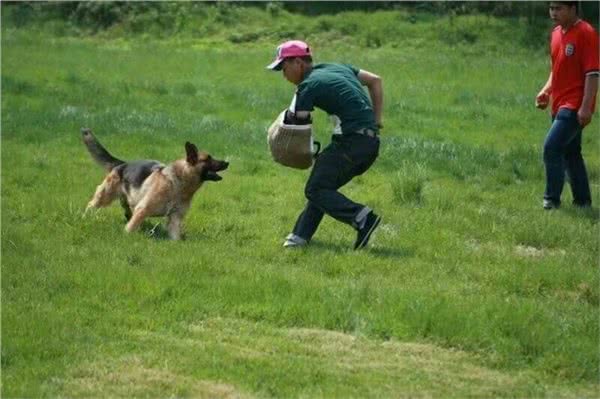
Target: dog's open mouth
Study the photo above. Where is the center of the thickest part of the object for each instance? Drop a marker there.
(212, 175)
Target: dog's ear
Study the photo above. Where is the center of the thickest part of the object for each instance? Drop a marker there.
(192, 153)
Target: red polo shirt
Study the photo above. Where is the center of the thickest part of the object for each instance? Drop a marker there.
(574, 55)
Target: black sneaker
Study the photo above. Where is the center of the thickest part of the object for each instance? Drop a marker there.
(365, 233)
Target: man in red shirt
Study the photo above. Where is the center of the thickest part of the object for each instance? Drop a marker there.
(572, 87)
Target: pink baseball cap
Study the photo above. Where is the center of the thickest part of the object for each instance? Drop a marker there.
(291, 48)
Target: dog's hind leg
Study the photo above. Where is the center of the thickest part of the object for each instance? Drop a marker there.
(126, 208)
(106, 192)
(174, 226)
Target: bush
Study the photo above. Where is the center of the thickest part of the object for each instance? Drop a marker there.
(99, 15)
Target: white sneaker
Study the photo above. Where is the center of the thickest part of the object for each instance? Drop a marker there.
(292, 241)
(549, 204)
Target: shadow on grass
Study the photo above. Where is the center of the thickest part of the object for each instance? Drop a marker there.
(392, 252)
(592, 214)
(376, 251)
(154, 230)
(158, 231)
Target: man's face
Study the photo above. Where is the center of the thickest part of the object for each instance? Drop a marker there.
(562, 14)
(293, 70)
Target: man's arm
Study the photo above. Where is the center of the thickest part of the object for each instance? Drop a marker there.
(584, 115)
(375, 86)
(543, 98)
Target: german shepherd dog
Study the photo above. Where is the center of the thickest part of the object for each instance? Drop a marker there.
(148, 188)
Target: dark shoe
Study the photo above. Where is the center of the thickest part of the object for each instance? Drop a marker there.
(582, 205)
(549, 204)
(365, 233)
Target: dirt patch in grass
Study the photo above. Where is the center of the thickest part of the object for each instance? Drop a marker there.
(317, 363)
(131, 377)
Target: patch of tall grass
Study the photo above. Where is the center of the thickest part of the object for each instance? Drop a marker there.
(408, 184)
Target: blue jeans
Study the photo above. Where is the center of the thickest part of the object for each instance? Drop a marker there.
(347, 156)
(562, 152)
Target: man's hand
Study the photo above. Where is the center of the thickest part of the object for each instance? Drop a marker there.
(584, 116)
(298, 118)
(542, 100)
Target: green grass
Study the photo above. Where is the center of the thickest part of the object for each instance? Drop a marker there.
(468, 289)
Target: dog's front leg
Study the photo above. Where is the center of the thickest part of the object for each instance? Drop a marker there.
(174, 222)
(136, 220)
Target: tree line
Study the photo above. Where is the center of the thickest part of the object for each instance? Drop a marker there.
(103, 14)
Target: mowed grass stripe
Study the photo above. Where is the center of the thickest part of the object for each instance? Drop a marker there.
(323, 364)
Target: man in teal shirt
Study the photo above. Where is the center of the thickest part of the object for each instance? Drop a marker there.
(338, 90)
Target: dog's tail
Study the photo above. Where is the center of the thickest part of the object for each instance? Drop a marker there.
(98, 152)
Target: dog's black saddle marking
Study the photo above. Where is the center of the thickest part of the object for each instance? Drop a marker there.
(136, 172)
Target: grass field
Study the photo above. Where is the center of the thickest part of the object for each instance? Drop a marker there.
(469, 288)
